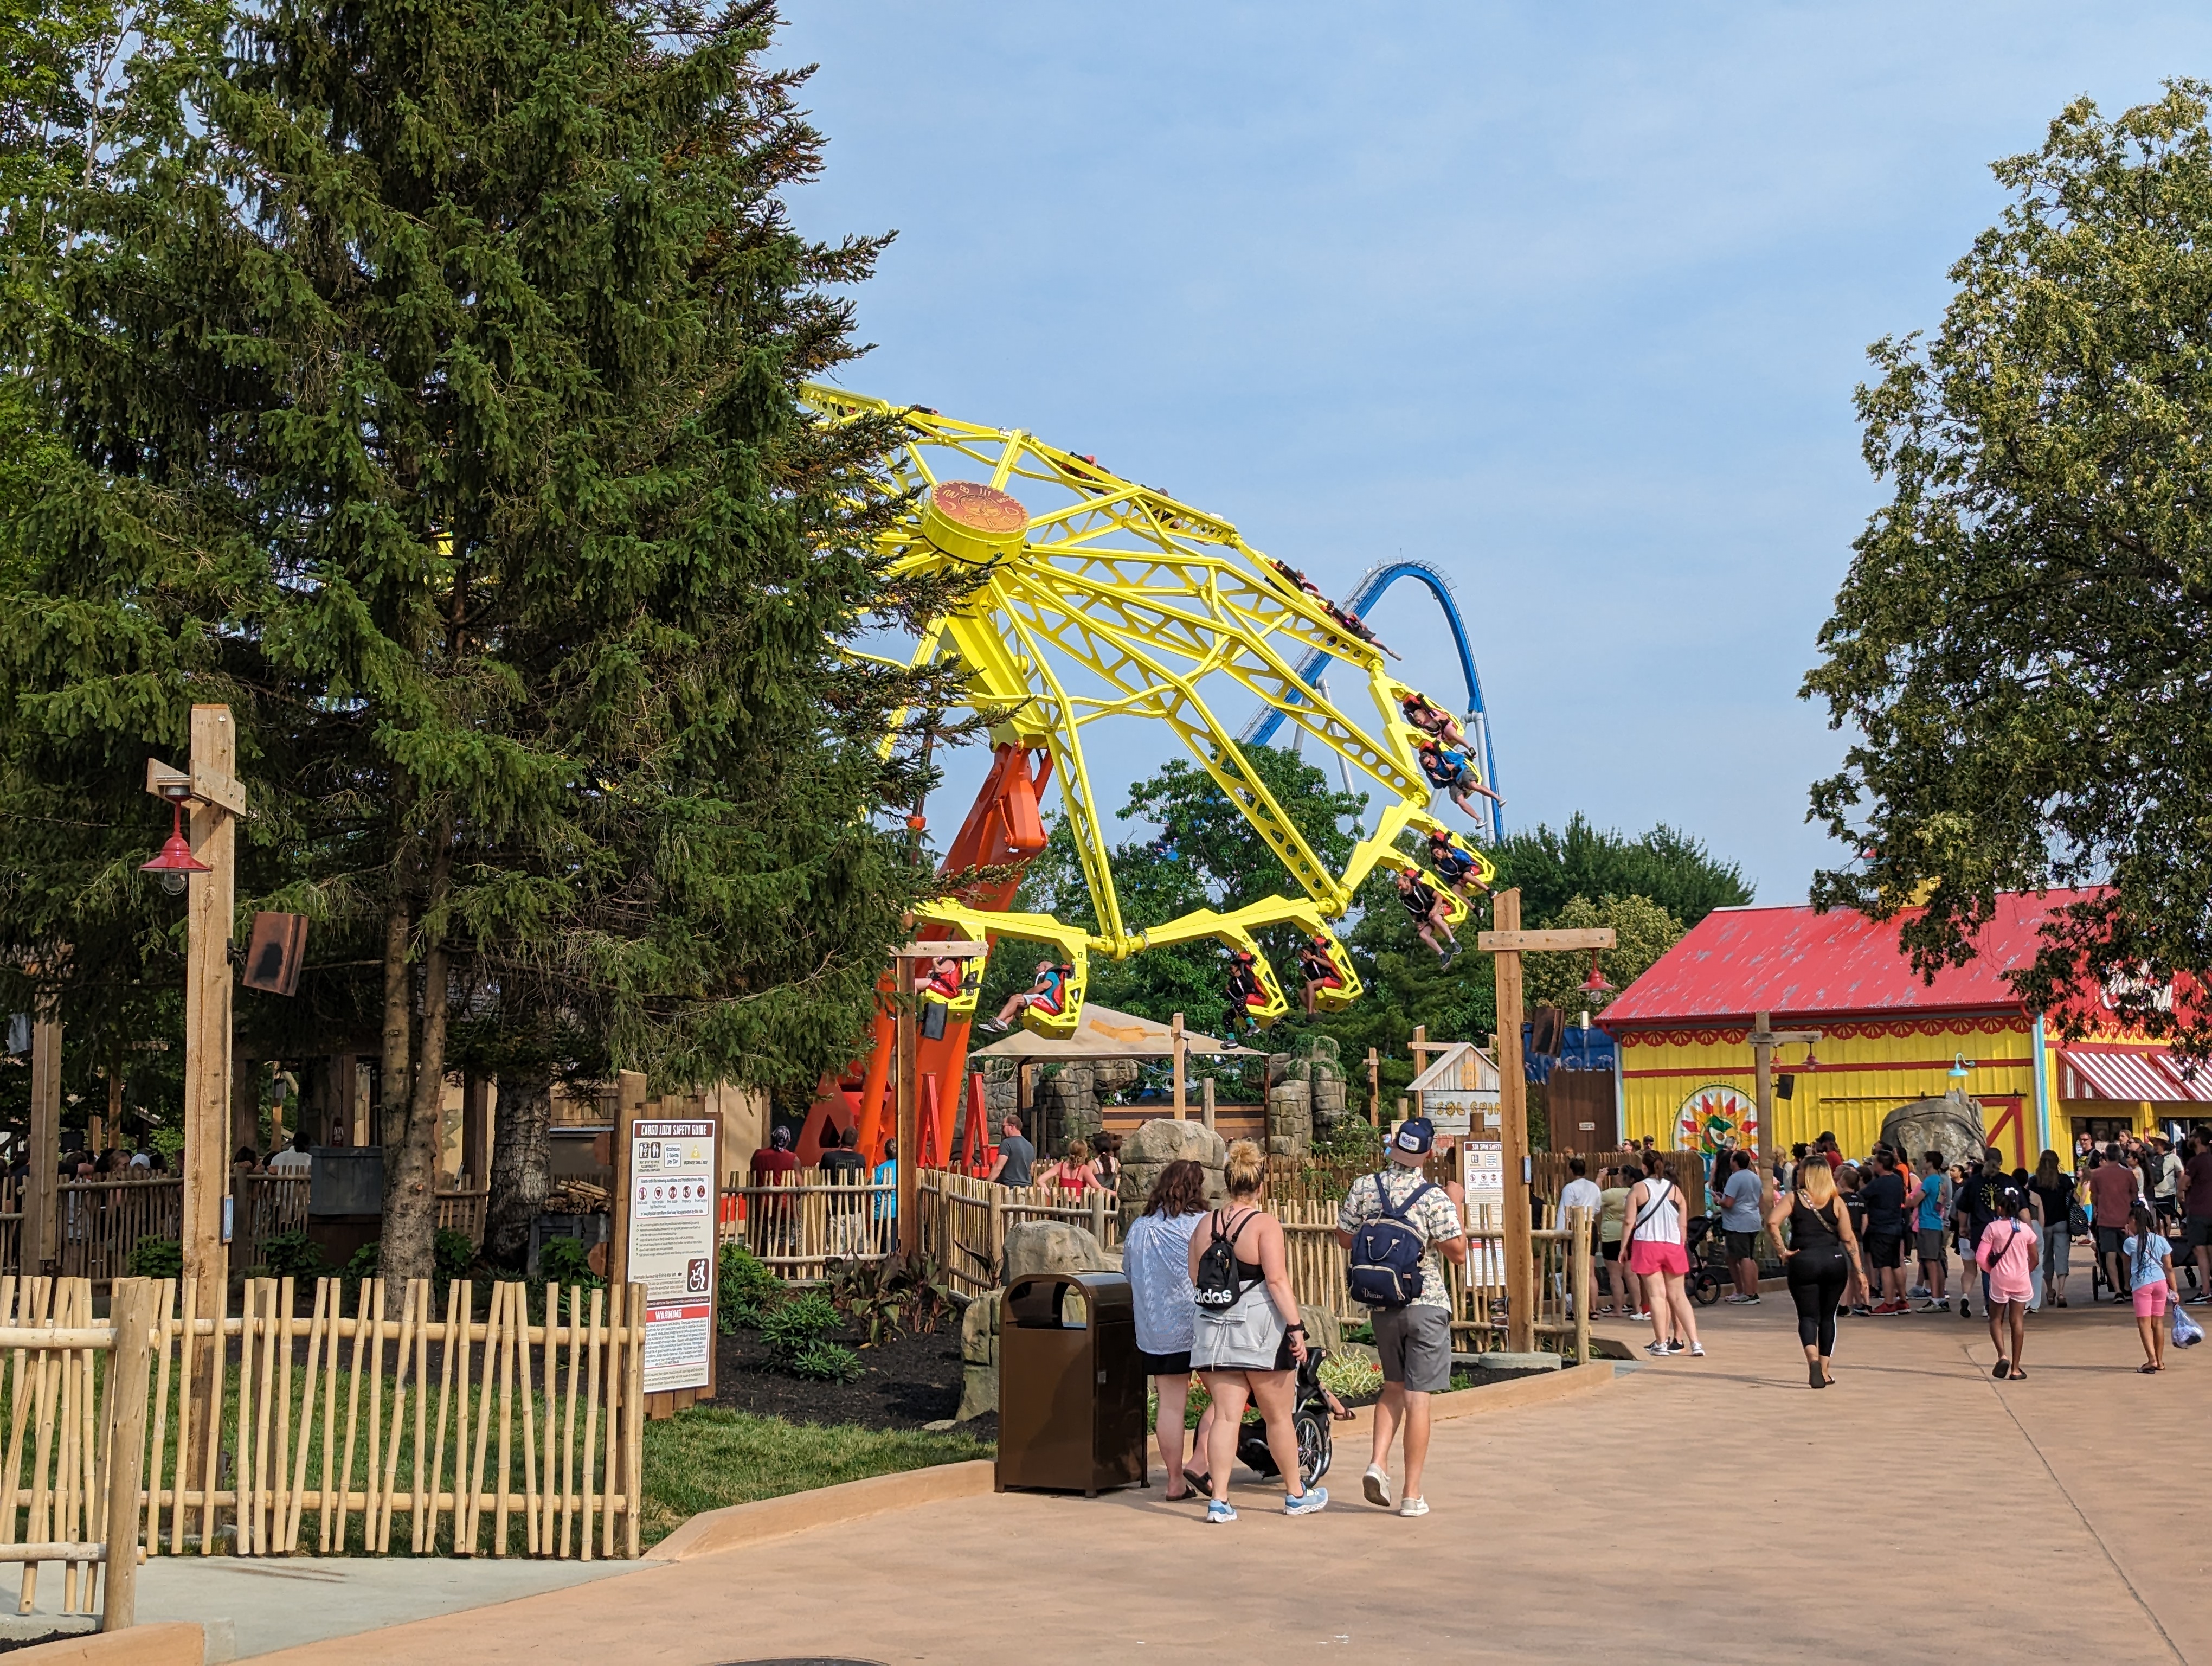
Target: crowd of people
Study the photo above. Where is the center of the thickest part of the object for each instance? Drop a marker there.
(1846, 1231)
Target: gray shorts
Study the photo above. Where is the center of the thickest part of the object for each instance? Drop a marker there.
(1415, 1343)
(1929, 1241)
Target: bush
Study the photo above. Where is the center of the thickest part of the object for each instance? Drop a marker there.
(156, 1258)
(796, 1325)
(453, 1253)
(826, 1362)
(365, 1261)
(568, 1261)
(290, 1255)
(884, 1297)
(746, 1289)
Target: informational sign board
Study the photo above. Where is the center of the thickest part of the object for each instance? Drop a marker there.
(1483, 1174)
(672, 1169)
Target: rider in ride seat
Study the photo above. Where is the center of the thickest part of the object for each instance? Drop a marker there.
(1320, 971)
(1048, 994)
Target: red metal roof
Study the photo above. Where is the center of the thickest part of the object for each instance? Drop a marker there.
(1796, 963)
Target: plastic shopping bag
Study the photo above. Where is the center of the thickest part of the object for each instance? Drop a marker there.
(2187, 1333)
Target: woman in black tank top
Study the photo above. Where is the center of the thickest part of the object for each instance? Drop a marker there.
(1819, 1254)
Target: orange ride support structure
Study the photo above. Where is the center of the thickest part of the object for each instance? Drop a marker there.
(1003, 829)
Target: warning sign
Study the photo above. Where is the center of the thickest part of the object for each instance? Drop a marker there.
(672, 1249)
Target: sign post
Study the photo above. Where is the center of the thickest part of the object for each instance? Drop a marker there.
(673, 1169)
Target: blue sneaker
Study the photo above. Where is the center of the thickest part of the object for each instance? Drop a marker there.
(1218, 1509)
(1311, 1502)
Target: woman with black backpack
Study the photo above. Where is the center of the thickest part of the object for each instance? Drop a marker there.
(1249, 1341)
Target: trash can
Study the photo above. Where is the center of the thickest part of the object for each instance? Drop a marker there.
(1071, 1387)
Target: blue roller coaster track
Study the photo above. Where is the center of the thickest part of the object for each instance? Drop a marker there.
(1368, 591)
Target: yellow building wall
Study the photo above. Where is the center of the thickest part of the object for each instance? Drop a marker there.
(1865, 1071)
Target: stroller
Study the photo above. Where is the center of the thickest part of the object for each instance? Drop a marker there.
(1708, 1251)
(1309, 1416)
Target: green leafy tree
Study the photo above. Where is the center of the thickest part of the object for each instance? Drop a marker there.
(1670, 867)
(425, 380)
(2019, 647)
(1643, 931)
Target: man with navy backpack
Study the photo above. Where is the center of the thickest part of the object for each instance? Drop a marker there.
(1396, 1224)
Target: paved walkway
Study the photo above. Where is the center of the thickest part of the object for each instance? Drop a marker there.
(1697, 1511)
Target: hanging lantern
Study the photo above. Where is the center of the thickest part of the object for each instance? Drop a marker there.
(176, 864)
(1594, 984)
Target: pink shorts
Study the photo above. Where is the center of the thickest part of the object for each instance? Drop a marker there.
(1646, 1257)
(2150, 1300)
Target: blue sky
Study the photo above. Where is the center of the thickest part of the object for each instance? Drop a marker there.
(1569, 299)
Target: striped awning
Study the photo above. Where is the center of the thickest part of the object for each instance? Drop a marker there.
(2132, 1073)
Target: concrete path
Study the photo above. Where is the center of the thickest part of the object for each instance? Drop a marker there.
(1697, 1511)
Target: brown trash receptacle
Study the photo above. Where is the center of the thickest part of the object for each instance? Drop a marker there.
(1071, 1389)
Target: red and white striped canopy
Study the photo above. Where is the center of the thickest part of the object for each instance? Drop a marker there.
(2139, 1074)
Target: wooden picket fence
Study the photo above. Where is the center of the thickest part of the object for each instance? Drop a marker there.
(964, 1221)
(800, 1222)
(1319, 1269)
(465, 1427)
(75, 1440)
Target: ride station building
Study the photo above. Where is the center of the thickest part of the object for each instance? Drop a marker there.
(1888, 1037)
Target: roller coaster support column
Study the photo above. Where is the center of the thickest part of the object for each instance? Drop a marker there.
(907, 1079)
(1507, 944)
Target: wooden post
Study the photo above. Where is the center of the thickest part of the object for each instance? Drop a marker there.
(1579, 1281)
(1762, 1091)
(1374, 1089)
(1764, 1038)
(1513, 1121)
(1506, 945)
(211, 902)
(1174, 1046)
(908, 1109)
(629, 1099)
(41, 1199)
(131, 1311)
(1206, 1101)
(475, 1131)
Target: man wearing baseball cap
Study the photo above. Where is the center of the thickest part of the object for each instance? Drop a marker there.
(1414, 1340)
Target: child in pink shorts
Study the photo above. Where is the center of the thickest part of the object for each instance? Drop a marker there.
(2150, 1271)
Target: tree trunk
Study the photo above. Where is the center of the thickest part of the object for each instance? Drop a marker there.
(410, 1163)
(386, 1127)
(521, 1165)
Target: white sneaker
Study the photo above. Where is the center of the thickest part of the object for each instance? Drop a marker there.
(1376, 1483)
(1414, 1506)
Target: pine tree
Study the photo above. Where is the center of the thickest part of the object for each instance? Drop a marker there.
(427, 384)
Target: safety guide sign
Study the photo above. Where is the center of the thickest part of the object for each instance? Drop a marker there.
(672, 1249)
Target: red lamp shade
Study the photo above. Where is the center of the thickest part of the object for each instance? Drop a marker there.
(1594, 984)
(176, 863)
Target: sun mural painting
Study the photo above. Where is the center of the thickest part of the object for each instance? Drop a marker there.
(1716, 1116)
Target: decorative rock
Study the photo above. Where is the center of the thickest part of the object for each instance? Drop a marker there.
(979, 1358)
(1323, 1329)
(1051, 1246)
(1952, 1125)
(1164, 1140)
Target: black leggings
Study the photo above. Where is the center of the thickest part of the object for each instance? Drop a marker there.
(1817, 1278)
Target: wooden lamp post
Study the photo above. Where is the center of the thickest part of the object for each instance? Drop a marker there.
(205, 868)
(1507, 944)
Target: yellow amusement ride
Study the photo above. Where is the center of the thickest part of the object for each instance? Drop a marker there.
(1095, 599)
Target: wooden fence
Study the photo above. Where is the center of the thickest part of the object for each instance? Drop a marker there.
(964, 1221)
(75, 1440)
(800, 1222)
(466, 1427)
(1319, 1267)
(100, 1222)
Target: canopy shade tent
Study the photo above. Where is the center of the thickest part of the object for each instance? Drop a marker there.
(1101, 1033)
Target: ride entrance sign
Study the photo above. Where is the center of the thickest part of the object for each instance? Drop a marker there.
(671, 1246)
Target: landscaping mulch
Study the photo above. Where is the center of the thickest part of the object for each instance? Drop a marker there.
(907, 1382)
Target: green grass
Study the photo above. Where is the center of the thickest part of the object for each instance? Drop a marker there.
(707, 1457)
